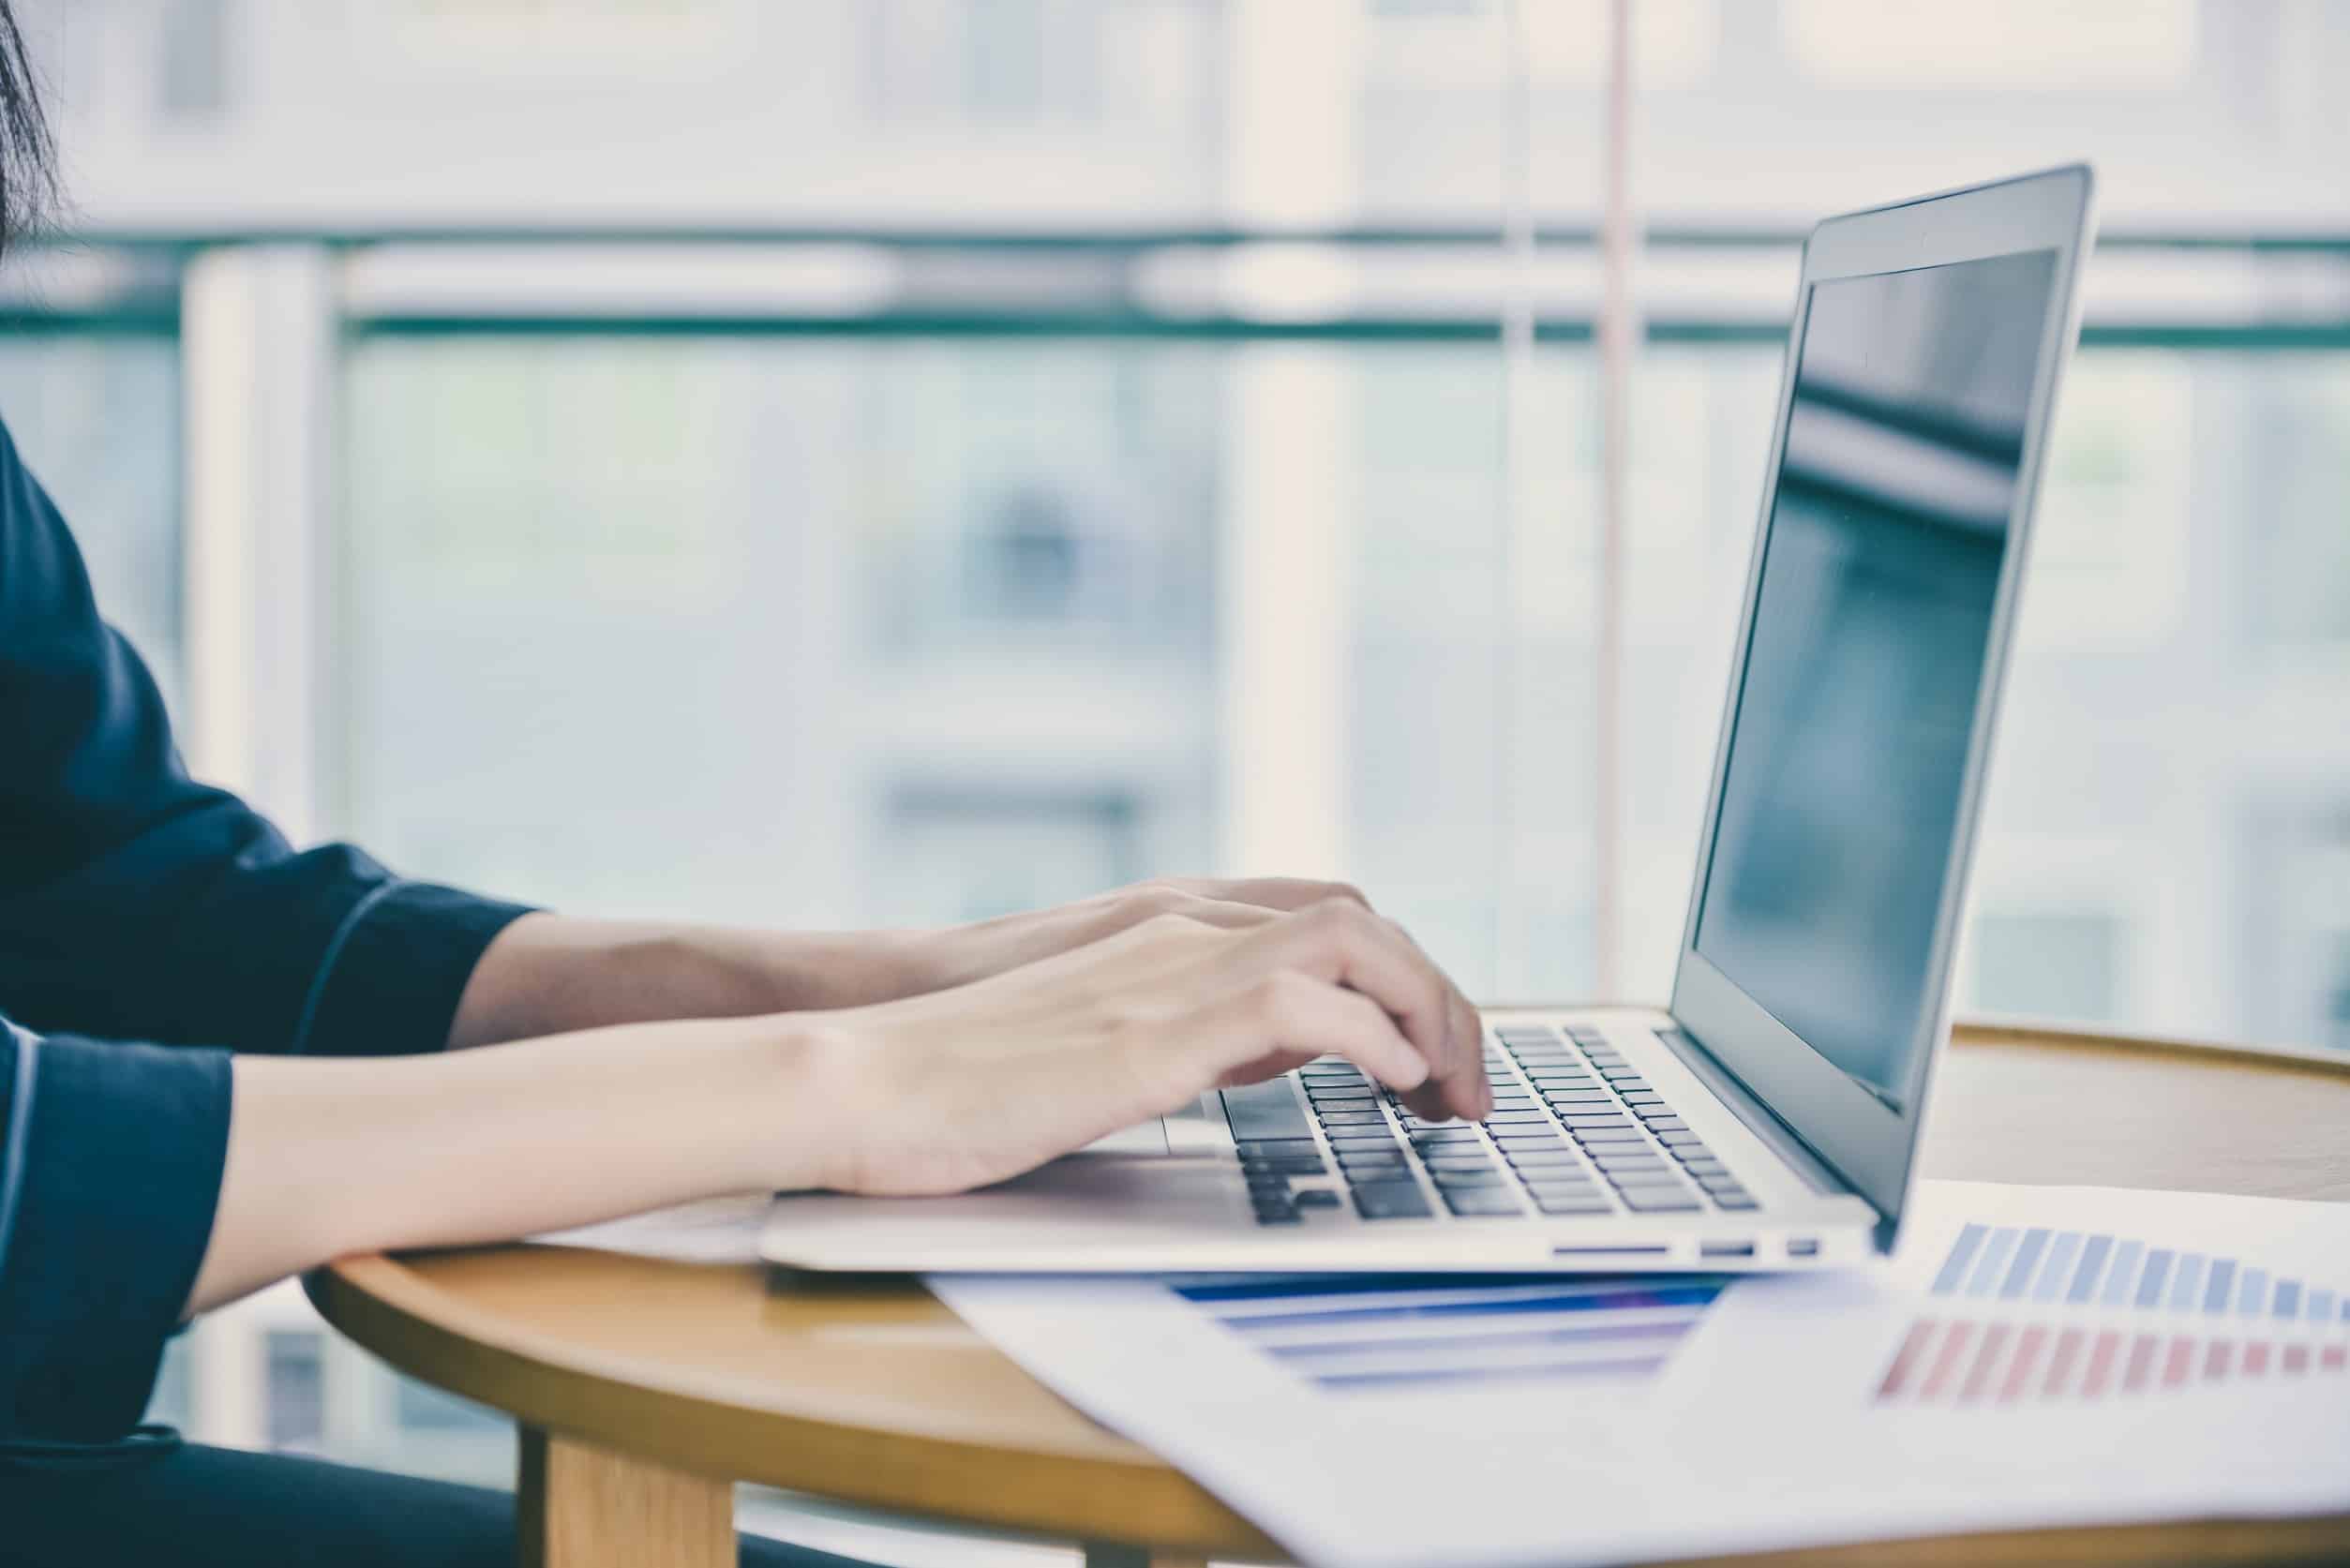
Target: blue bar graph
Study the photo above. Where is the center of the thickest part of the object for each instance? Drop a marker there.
(1993, 1263)
(2125, 1269)
(2187, 1283)
(1962, 1252)
(2092, 1265)
(2157, 1274)
(2041, 1264)
(2223, 1285)
(1355, 1332)
(2019, 1274)
(2059, 1265)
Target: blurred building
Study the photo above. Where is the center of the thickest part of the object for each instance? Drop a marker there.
(895, 460)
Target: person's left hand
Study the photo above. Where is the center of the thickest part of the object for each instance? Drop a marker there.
(950, 956)
(551, 973)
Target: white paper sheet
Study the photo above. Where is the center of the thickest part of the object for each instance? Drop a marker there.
(716, 1230)
(1528, 1424)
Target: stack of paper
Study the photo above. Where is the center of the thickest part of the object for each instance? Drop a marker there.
(2032, 1356)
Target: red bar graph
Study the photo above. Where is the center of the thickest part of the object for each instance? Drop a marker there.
(1966, 1361)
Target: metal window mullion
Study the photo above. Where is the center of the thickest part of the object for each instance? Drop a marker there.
(258, 335)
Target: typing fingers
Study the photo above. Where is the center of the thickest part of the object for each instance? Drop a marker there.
(1345, 944)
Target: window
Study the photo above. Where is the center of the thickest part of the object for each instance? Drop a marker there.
(296, 1388)
(95, 413)
(2046, 966)
(2072, 47)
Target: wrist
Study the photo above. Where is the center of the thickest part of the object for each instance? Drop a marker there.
(823, 972)
(789, 1097)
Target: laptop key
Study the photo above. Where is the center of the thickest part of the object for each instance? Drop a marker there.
(1481, 1202)
(1557, 1181)
(1565, 1207)
(1285, 1168)
(1390, 1199)
(1644, 1201)
(1702, 1165)
(1317, 1198)
(1266, 1110)
(1740, 1200)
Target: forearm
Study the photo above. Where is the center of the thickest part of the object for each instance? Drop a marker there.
(552, 974)
(328, 1158)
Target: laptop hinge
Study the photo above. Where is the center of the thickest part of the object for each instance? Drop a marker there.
(1760, 1118)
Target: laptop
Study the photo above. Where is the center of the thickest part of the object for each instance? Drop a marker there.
(1768, 1116)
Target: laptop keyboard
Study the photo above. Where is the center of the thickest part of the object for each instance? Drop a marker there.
(1575, 1132)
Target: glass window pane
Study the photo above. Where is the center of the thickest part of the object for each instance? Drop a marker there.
(96, 416)
(781, 630)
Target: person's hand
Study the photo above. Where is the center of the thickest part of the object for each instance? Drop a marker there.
(964, 1087)
(550, 974)
(950, 956)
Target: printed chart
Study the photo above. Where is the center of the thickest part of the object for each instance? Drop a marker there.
(2210, 1318)
(1395, 1333)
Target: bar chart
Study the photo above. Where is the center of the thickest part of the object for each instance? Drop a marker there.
(1362, 1332)
(2071, 1268)
(2201, 1318)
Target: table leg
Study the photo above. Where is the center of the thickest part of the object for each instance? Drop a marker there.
(1103, 1554)
(581, 1506)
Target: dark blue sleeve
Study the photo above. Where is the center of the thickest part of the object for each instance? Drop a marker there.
(138, 904)
(110, 1159)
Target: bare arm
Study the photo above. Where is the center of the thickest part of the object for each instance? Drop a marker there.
(552, 974)
(327, 1158)
(934, 1094)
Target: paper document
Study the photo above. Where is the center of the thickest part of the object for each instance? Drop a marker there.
(2033, 1356)
(716, 1231)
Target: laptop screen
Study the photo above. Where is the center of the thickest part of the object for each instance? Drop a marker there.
(1880, 567)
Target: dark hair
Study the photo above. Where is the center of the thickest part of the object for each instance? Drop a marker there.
(28, 178)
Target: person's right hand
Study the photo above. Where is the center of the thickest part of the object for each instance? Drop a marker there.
(963, 1087)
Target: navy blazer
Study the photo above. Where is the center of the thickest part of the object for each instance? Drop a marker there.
(149, 926)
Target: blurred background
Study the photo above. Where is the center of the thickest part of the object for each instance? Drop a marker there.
(882, 461)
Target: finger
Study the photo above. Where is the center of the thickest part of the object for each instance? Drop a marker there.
(1472, 1028)
(1347, 945)
(1226, 913)
(1464, 1078)
(1286, 1019)
(1466, 1091)
(1285, 893)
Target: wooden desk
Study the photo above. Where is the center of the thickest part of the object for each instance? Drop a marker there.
(644, 1387)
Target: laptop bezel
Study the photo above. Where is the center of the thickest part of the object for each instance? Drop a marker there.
(1868, 1142)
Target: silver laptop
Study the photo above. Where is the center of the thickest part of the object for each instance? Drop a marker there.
(1768, 1118)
